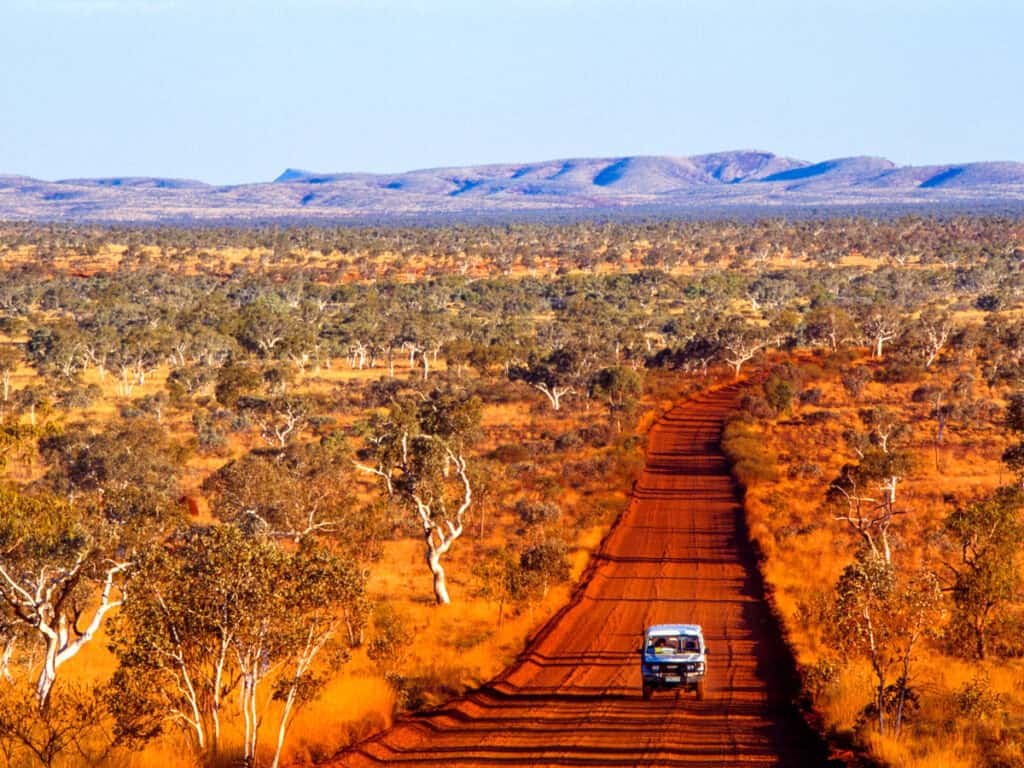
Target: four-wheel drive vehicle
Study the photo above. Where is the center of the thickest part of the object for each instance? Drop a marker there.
(673, 656)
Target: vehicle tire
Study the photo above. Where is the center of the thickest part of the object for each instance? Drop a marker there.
(700, 691)
(648, 690)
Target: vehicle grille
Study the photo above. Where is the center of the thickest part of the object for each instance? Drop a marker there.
(675, 669)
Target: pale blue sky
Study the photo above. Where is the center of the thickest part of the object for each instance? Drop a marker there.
(236, 90)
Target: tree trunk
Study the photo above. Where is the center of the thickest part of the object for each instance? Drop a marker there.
(247, 692)
(880, 701)
(5, 658)
(902, 683)
(288, 704)
(47, 675)
(898, 722)
(215, 703)
(440, 586)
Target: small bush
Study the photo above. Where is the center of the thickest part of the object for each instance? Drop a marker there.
(779, 393)
(989, 302)
(804, 469)
(855, 379)
(210, 435)
(820, 675)
(815, 611)
(819, 417)
(547, 563)
(976, 700)
(811, 396)
(427, 689)
(868, 718)
(521, 469)
(537, 512)
(758, 407)
(568, 441)
(79, 396)
(901, 371)
(752, 461)
(759, 469)
(511, 453)
(391, 640)
(380, 393)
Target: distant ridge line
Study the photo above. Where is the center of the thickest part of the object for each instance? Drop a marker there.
(721, 181)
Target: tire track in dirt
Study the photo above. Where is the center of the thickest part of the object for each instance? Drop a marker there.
(679, 554)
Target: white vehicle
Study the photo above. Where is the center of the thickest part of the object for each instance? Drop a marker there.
(673, 656)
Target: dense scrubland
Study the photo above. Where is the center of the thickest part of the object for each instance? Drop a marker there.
(264, 488)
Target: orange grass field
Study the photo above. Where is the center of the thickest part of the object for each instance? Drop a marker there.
(805, 552)
(459, 646)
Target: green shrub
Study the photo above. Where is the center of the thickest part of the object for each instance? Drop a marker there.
(752, 462)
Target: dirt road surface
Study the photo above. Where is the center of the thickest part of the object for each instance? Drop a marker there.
(679, 554)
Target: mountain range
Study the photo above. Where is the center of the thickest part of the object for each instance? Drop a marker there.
(720, 183)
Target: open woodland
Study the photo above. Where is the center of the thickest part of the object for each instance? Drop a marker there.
(264, 489)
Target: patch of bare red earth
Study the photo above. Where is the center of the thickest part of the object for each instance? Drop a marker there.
(679, 554)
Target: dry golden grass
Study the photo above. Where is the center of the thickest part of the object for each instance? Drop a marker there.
(335, 267)
(463, 644)
(806, 550)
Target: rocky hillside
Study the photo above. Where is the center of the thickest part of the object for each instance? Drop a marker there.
(721, 182)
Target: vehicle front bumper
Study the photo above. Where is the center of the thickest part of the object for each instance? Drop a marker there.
(671, 675)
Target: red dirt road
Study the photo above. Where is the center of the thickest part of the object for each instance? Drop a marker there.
(679, 554)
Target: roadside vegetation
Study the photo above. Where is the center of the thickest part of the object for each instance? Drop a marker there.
(266, 488)
(886, 500)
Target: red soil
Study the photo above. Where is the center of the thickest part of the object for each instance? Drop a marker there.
(679, 554)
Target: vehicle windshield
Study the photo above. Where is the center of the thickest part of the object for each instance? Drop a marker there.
(669, 644)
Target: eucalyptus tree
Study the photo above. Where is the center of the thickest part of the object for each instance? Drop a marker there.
(554, 375)
(267, 326)
(739, 341)
(983, 551)
(137, 351)
(831, 325)
(300, 492)
(56, 350)
(217, 611)
(882, 614)
(235, 380)
(185, 382)
(880, 323)
(129, 467)
(933, 330)
(1013, 456)
(280, 418)
(11, 356)
(864, 494)
(947, 402)
(62, 571)
(620, 388)
(419, 452)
